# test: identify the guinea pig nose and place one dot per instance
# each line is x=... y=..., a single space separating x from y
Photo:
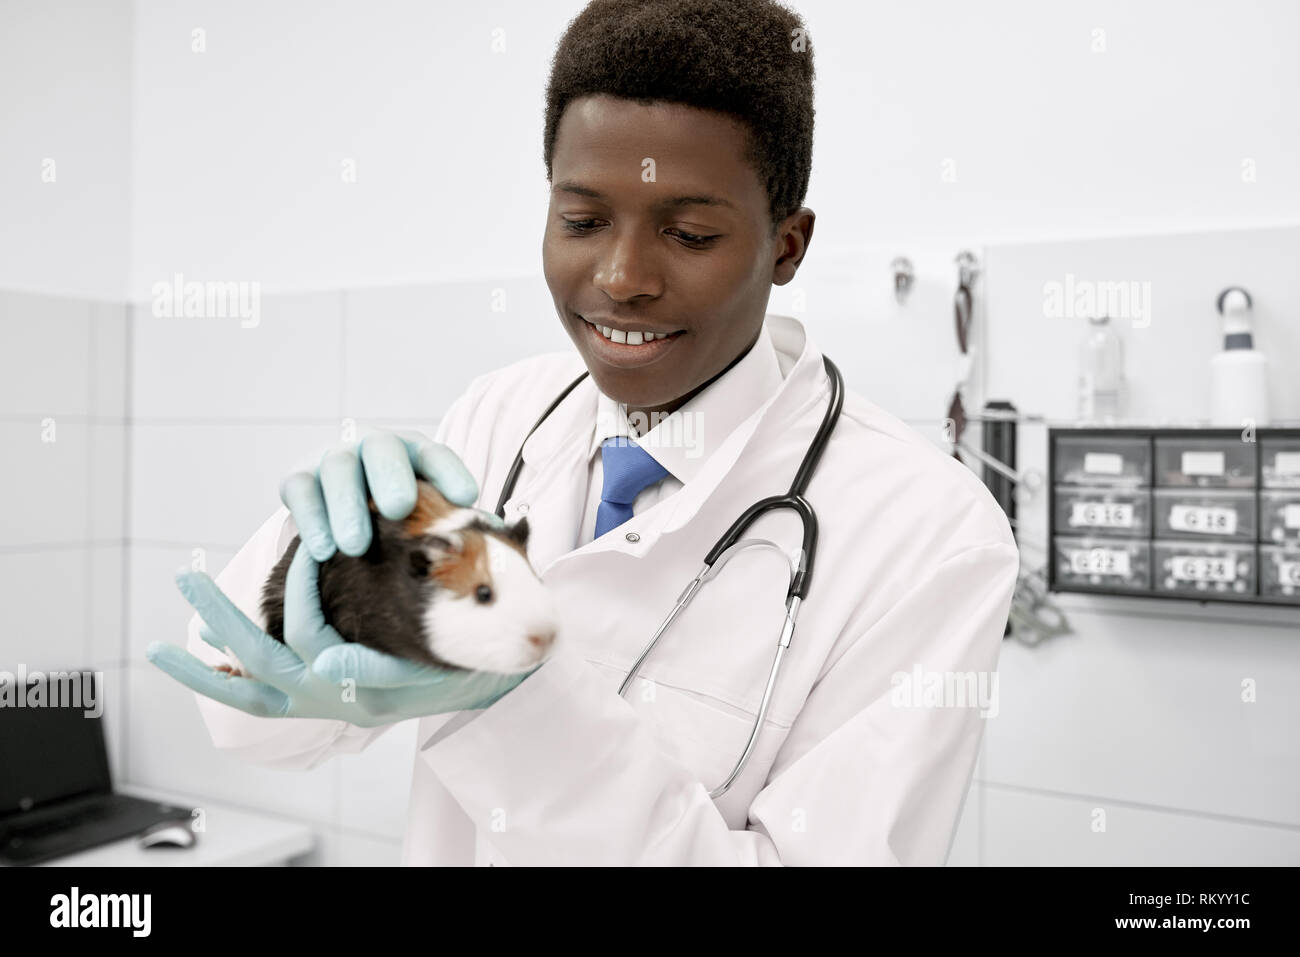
x=542 y=640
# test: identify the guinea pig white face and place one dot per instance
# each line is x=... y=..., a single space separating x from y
x=497 y=616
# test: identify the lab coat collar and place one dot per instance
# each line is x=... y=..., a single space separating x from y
x=804 y=384
x=683 y=441
x=557 y=453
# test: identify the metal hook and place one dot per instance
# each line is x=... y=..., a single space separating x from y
x=904 y=276
x=968 y=268
x=1224 y=295
x=1033 y=614
x=1031 y=479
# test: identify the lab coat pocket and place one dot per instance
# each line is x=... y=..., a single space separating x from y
x=700 y=689
x=704 y=736
x=722 y=645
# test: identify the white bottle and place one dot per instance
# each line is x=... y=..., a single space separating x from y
x=1238 y=374
x=1102 y=397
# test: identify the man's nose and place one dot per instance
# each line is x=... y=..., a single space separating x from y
x=627 y=270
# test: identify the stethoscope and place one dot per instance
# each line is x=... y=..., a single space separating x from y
x=801 y=564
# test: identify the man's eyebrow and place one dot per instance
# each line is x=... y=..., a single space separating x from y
x=675 y=202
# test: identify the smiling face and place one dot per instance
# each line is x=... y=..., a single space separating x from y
x=691 y=253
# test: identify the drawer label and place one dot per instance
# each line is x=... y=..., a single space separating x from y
x=1201 y=568
x=1288 y=573
x=1291 y=516
x=1099 y=561
x=1104 y=463
x=1204 y=519
x=1202 y=463
x=1106 y=514
x=1287 y=463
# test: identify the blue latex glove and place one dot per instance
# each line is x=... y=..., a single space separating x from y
x=315 y=673
x=329 y=504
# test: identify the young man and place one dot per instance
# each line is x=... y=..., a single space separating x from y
x=678 y=146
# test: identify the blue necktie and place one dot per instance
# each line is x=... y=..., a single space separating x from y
x=628 y=469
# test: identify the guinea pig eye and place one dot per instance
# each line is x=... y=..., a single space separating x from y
x=483 y=593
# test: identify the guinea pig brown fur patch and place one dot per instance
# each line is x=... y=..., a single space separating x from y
x=467 y=571
x=430 y=507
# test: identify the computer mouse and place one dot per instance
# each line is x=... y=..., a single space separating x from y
x=168 y=834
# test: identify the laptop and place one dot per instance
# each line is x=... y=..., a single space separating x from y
x=56 y=792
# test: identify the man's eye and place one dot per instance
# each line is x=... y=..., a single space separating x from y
x=584 y=226
x=694 y=240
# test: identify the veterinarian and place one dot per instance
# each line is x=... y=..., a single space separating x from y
x=678 y=146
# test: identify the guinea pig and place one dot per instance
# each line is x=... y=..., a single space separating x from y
x=440 y=587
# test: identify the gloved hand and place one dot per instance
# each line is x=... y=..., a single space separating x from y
x=329 y=504
x=315 y=673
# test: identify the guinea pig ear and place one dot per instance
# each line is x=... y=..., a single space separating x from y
x=432 y=548
x=518 y=532
x=420 y=563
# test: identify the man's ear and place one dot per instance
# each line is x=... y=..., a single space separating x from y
x=518 y=532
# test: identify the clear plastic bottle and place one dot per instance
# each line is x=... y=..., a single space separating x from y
x=1102 y=398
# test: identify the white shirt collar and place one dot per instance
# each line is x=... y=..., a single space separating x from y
x=683 y=441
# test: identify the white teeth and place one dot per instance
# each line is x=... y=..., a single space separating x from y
x=634 y=338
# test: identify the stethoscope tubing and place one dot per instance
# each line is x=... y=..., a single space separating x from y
x=730 y=543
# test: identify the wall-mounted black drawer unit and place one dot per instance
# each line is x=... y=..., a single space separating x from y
x=1191 y=514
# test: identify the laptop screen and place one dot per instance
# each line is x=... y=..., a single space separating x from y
x=51 y=753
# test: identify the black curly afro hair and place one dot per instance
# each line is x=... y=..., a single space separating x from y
x=750 y=59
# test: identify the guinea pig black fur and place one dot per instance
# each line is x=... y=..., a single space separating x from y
x=440 y=587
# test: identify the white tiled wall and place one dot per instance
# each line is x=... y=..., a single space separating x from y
x=935 y=121
x=65 y=119
x=62 y=502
